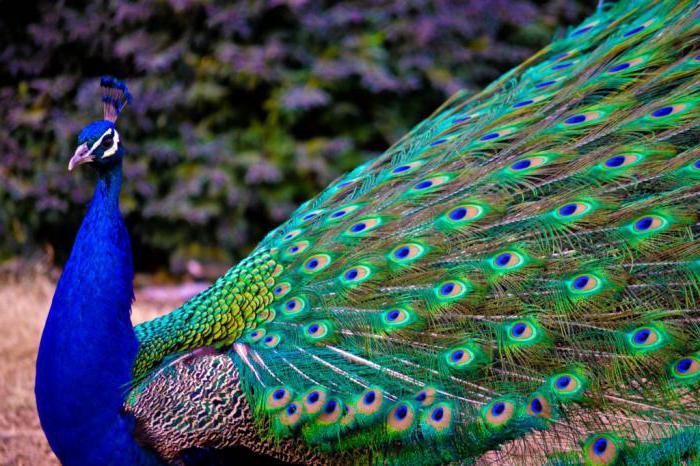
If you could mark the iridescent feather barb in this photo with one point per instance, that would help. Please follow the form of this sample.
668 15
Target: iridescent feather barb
515 281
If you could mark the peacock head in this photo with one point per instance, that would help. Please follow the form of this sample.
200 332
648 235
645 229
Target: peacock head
99 142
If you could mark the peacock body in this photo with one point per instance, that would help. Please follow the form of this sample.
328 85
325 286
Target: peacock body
516 281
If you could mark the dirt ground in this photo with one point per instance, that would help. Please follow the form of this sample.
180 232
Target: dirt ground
24 304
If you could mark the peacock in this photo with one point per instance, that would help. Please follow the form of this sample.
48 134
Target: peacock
515 281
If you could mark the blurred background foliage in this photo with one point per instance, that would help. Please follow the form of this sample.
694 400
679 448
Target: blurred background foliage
243 109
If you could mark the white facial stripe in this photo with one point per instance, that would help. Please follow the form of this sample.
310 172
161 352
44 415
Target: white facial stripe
115 145
99 141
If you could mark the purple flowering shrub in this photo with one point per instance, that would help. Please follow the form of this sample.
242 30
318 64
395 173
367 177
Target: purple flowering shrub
241 109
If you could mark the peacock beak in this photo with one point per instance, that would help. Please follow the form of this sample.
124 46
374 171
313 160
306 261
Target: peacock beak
82 155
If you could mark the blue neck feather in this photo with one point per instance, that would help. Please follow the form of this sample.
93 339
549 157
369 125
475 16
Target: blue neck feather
88 346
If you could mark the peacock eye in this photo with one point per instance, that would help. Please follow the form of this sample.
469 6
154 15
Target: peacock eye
107 142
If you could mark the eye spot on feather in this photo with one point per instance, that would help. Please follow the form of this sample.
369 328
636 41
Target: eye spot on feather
462 357
291 415
362 227
254 336
524 103
668 110
400 418
573 210
332 412
316 331
648 224
311 215
562 66
567 385
600 450
620 67
406 253
687 369
314 401
450 290
585 284
316 263
437 420
507 261
463 214
539 406
277 398
637 29
342 212
426 396
347 183
620 161
430 184
527 164
293 306
523 332
547 83
498 413
297 248
405 168
588 117
281 289
355 275
496 135
370 402
530 101
291 235
271 340
396 318
625 65
646 338
633 31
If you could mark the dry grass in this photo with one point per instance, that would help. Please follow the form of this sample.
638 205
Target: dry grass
24 304
24 308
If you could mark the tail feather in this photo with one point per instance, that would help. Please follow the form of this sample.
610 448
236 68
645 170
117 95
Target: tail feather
516 280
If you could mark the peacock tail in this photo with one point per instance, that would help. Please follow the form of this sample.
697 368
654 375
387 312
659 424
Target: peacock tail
516 281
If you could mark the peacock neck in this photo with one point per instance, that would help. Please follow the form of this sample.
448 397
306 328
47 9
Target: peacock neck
88 346
106 196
